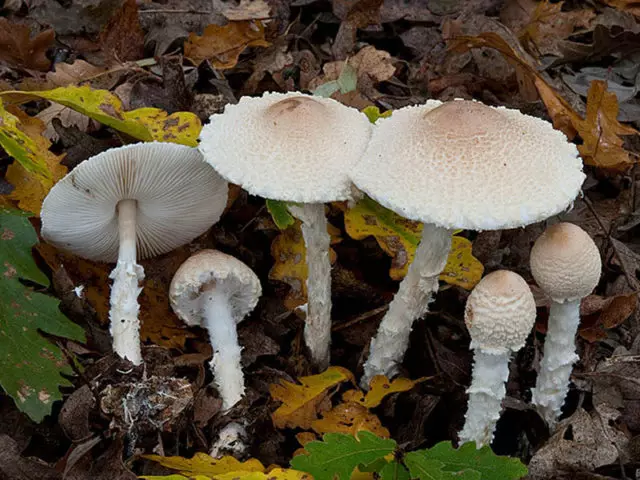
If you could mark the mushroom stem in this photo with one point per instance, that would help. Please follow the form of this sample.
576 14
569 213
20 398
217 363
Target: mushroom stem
227 370
410 303
125 326
317 330
559 356
487 389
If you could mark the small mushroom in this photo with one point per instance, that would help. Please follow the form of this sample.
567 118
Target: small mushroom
500 314
294 148
132 202
566 264
458 165
216 291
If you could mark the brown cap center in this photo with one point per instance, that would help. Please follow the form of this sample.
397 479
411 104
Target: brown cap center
294 111
462 118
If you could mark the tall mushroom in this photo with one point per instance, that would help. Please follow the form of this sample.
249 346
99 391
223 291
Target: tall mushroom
216 291
294 148
566 264
500 314
132 202
457 165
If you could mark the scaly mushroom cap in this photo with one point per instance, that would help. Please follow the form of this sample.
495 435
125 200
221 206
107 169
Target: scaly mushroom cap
210 269
290 146
566 262
178 195
500 313
463 164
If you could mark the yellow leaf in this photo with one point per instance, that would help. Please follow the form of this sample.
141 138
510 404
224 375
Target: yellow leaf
223 45
145 124
380 387
174 477
349 418
275 474
600 130
301 403
203 464
399 237
30 187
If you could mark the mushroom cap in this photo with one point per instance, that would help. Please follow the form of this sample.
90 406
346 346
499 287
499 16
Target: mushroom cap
179 196
213 269
565 262
287 146
463 164
500 313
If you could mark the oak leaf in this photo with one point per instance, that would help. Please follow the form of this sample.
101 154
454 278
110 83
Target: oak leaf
18 49
203 464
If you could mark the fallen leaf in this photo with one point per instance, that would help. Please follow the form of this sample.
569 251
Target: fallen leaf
302 403
247 10
354 14
67 117
599 314
31 188
203 464
350 418
399 237
122 39
274 474
222 46
380 387
18 49
600 131
72 73
630 6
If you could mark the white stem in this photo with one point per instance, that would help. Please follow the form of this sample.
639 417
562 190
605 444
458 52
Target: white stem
125 326
487 389
226 366
559 356
410 303
317 330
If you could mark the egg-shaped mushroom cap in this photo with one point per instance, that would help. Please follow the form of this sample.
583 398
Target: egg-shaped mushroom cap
211 269
500 313
463 164
287 146
178 195
565 262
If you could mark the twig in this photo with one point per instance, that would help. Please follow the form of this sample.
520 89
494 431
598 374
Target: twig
161 10
361 318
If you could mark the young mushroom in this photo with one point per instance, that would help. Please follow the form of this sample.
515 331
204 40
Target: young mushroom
500 314
216 291
127 203
458 165
294 148
566 264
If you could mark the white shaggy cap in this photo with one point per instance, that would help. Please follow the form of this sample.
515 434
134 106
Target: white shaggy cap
566 262
291 146
179 196
463 164
500 313
209 269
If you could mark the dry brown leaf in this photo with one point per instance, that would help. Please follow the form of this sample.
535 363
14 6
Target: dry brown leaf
631 6
599 314
223 45
122 39
247 10
68 118
18 49
72 73
601 131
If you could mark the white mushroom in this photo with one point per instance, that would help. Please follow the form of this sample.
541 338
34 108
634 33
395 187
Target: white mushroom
566 264
295 148
216 291
132 202
500 314
458 165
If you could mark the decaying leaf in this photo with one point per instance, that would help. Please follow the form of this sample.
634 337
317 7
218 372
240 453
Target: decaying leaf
350 418
273 474
222 46
247 10
203 464
399 237
18 49
31 367
30 187
67 117
630 6
302 403
145 124
122 38
380 387
598 314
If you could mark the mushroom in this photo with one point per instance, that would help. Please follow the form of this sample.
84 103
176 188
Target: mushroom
132 202
458 165
216 291
294 148
500 314
566 264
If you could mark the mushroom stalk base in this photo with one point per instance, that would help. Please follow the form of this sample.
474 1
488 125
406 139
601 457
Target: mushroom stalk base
490 372
317 330
226 366
410 303
125 325
559 356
